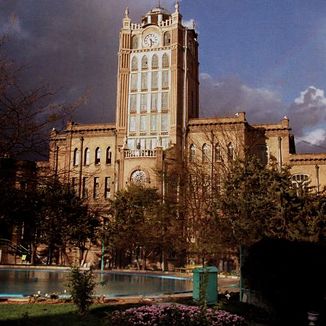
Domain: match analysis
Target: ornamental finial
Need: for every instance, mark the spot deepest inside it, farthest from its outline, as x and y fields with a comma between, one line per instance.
x=127, y=12
x=177, y=5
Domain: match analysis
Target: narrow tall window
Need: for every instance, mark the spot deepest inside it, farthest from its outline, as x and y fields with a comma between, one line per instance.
x=192, y=153
x=144, y=63
x=143, y=123
x=165, y=61
x=134, y=42
x=86, y=156
x=205, y=153
x=218, y=156
x=153, y=122
x=96, y=187
x=144, y=81
x=143, y=103
x=154, y=80
x=165, y=99
x=133, y=103
x=134, y=64
x=230, y=152
x=167, y=38
x=108, y=155
x=132, y=124
x=97, y=155
x=107, y=188
x=154, y=102
x=155, y=62
x=165, y=79
x=164, y=122
x=76, y=157
x=133, y=82
x=74, y=184
x=85, y=187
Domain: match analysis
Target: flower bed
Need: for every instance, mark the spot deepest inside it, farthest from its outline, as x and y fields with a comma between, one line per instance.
x=180, y=315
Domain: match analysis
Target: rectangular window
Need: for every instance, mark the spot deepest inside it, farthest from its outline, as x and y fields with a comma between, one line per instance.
x=96, y=187
x=142, y=143
x=131, y=143
x=164, y=122
x=85, y=188
x=144, y=81
x=154, y=80
x=165, y=142
x=165, y=79
x=154, y=122
x=133, y=103
x=154, y=102
x=133, y=82
x=143, y=123
x=74, y=184
x=154, y=143
x=143, y=103
x=132, y=124
x=165, y=99
x=107, y=189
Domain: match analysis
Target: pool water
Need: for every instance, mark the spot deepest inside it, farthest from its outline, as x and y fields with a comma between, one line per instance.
x=22, y=282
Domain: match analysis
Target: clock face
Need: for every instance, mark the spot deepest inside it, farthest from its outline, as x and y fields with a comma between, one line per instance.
x=138, y=177
x=151, y=40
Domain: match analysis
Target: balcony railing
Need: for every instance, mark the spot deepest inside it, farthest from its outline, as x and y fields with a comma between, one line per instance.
x=130, y=153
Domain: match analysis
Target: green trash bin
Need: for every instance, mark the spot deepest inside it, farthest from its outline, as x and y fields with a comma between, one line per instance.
x=205, y=284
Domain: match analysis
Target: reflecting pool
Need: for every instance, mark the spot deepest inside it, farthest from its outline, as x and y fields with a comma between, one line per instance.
x=24, y=282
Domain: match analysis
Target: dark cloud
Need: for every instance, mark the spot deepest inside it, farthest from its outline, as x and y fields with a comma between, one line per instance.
x=228, y=96
x=72, y=46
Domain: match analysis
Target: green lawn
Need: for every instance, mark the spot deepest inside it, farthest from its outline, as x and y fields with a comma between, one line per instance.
x=51, y=314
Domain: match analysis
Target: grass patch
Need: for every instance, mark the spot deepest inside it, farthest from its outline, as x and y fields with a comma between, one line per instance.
x=50, y=314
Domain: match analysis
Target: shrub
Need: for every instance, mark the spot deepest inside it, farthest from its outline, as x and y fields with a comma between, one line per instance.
x=81, y=285
x=169, y=315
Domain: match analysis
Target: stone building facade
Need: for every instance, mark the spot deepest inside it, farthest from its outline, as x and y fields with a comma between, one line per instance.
x=157, y=120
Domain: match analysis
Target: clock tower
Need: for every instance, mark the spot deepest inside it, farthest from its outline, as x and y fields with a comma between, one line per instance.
x=157, y=90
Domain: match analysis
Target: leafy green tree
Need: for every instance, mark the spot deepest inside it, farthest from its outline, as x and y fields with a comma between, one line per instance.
x=260, y=202
x=81, y=286
x=133, y=215
x=65, y=220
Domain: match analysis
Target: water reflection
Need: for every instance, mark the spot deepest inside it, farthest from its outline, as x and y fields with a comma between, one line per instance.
x=27, y=282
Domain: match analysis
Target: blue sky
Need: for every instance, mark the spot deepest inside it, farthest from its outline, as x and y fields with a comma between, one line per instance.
x=277, y=44
x=265, y=57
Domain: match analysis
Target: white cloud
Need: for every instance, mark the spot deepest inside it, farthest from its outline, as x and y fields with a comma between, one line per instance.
x=308, y=110
x=311, y=96
x=190, y=23
x=315, y=137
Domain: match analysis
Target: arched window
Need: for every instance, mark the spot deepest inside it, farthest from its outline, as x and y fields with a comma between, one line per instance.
x=86, y=156
x=144, y=63
x=192, y=153
x=108, y=155
x=167, y=38
x=230, y=152
x=134, y=64
x=218, y=155
x=134, y=42
x=165, y=61
x=205, y=153
x=155, y=62
x=76, y=157
x=97, y=155
x=300, y=182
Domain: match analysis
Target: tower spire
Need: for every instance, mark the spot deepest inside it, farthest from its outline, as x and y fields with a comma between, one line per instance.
x=177, y=6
